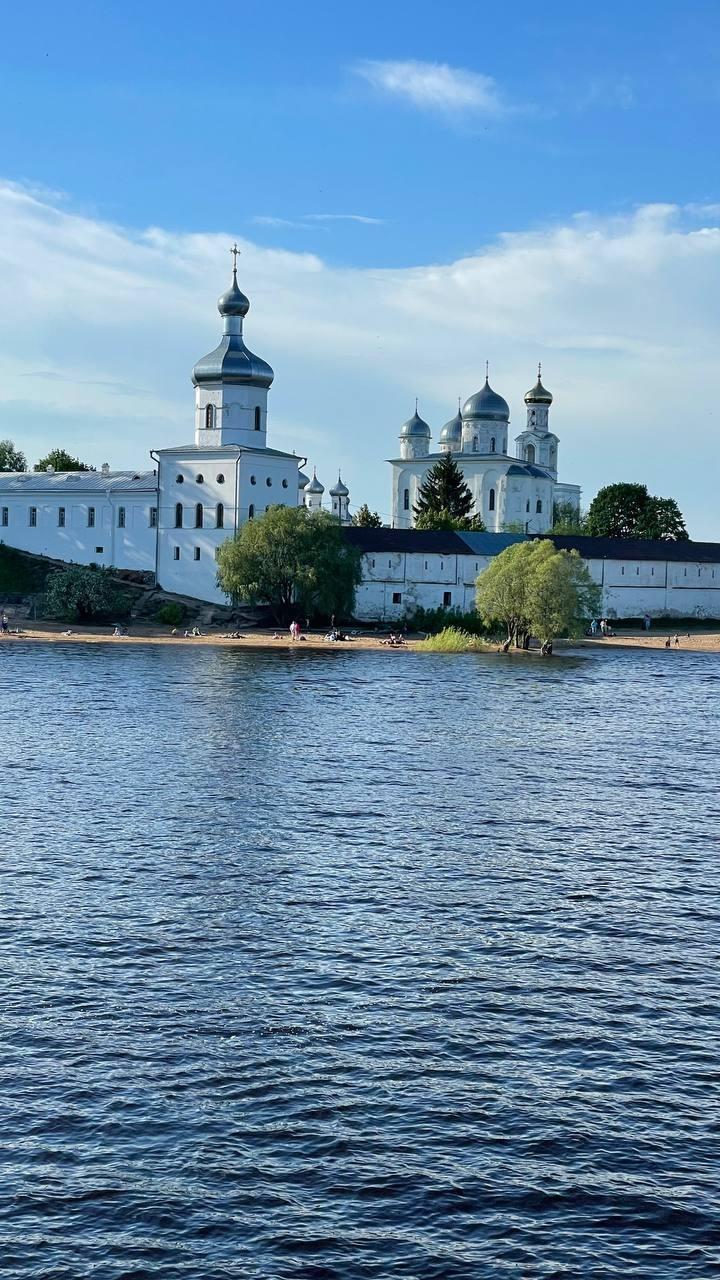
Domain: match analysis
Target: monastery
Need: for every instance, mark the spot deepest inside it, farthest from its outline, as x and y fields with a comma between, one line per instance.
x=170, y=519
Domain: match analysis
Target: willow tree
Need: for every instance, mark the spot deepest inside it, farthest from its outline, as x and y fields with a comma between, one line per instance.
x=531, y=588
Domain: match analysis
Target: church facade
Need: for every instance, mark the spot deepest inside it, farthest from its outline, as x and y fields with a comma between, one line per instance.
x=515, y=493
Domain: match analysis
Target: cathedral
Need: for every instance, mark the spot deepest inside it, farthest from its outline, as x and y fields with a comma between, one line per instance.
x=511, y=493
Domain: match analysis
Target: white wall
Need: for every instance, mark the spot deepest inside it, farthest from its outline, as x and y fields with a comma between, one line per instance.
x=104, y=543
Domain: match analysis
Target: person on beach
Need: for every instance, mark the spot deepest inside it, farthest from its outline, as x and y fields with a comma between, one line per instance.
x=4, y=622
x=646, y=622
x=593, y=627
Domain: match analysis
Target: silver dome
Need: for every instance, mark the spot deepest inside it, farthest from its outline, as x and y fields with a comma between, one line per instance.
x=452, y=431
x=486, y=405
x=415, y=426
x=234, y=302
x=538, y=394
x=314, y=486
x=339, y=490
x=232, y=361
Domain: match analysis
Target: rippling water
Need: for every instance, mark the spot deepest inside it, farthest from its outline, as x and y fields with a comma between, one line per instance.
x=358, y=965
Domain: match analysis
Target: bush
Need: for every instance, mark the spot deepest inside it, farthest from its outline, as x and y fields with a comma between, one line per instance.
x=171, y=613
x=451, y=640
x=434, y=620
x=84, y=593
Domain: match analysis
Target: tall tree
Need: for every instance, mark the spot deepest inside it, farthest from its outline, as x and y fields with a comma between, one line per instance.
x=292, y=560
x=367, y=519
x=567, y=519
x=629, y=511
x=532, y=588
x=444, y=499
x=61, y=460
x=11, y=459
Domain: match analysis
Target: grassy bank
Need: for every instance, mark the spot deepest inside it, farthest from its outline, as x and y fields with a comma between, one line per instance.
x=452, y=640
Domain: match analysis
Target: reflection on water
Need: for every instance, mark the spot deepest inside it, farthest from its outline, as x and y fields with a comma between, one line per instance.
x=357, y=965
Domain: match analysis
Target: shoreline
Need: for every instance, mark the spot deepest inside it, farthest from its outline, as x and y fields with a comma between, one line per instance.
x=56, y=633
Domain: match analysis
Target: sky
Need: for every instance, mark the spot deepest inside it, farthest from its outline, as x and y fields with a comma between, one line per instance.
x=415, y=188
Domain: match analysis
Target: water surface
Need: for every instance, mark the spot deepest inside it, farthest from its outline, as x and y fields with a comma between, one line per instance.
x=357, y=965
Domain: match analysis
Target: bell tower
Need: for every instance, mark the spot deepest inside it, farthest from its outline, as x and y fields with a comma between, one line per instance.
x=537, y=445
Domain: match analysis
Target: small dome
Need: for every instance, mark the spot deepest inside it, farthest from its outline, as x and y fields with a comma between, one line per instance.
x=314, y=486
x=452, y=431
x=415, y=426
x=303, y=480
x=339, y=490
x=538, y=394
x=234, y=302
x=487, y=405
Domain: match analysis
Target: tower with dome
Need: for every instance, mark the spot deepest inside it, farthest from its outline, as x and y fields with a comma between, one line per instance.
x=510, y=492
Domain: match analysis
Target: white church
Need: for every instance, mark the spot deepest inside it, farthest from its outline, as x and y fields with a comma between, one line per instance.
x=509, y=492
x=170, y=519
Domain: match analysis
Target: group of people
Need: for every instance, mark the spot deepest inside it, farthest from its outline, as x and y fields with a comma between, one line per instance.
x=395, y=640
x=602, y=626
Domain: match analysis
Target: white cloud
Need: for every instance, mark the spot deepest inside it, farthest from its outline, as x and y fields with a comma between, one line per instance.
x=308, y=221
x=100, y=328
x=345, y=217
x=434, y=86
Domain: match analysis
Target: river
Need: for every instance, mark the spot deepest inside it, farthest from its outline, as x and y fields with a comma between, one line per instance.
x=355, y=966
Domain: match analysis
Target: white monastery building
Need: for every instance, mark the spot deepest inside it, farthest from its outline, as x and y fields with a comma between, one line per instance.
x=510, y=491
x=170, y=519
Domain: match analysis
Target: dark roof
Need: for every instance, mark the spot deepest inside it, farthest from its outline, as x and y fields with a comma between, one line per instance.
x=528, y=469
x=432, y=540
x=636, y=548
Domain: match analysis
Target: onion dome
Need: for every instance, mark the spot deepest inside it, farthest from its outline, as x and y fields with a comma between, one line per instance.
x=234, y=302
x=538, y=394
x=414, y=427
x=339, y=490
x=451, y=433
x=486, y=405
x=314, y=486
x=232, y=361
x=303, y=480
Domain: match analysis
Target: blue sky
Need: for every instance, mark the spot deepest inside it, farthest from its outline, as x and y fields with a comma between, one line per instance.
x=406, y=147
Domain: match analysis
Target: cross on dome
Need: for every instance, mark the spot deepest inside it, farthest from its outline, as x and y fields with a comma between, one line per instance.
x=235, y=255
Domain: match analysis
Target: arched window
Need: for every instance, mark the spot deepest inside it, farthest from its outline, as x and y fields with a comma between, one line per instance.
x=406, y=499
x=219, y=516
x=530, y=453
x=258, y=416
x=492, y=444
x=178, y=515
x=491, y=500
x=198, y=515
x=251, y=511
x=538, y=507
x=527, y=505
x=209, y=416
x=475, y=444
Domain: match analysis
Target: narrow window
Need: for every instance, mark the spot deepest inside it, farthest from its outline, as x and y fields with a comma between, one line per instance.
x=406, y=499
x=623, y=571
x=268, y=481
x=209, y=416
x=91, y=517
x=530, y=453
x=492, y=444
x=447, y=599
x=33, y=517
x=637, y=571
x=538, y=507
x=251, y=511
x=475, y=444
x=373, y=563
x=491, y=500
x=178, y=515
x=652, y=573
x=121, y=517
x=153, y=517
x=397, y=597
x=284, y=484
x=196, y=553
x=527, y=505
x=219, y=516
x=61, y=517
x=198, y=515
x=5, y=517
x=253, y=480
x=257, y=417
x=176, y=553
x=426, y=564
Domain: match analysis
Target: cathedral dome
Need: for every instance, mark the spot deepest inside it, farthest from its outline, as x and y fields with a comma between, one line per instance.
x=451, y=433
x=538, y=394
x=486, y=405
x=415, y=426
x=339, y=490
x=303, y=480
x=234, y=302
x=314, y=486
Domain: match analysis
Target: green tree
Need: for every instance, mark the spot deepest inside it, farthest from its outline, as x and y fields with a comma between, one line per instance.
x=11, y=459
x=367, y=519
x=82, y=593
x=294, y=561
x=444, y=499
x=567, y=519
x=60, y=460
x=534, y=589
x=629, y=511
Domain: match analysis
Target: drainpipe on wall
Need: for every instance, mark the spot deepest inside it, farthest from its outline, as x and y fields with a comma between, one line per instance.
x=156, y=459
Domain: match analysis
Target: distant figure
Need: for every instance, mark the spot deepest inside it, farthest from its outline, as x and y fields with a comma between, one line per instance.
x=118, y=630
x=593, y=627
x=294, y=630
x=4, y=621
x=646, y=622
x=667, y=643
x=677, y=641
